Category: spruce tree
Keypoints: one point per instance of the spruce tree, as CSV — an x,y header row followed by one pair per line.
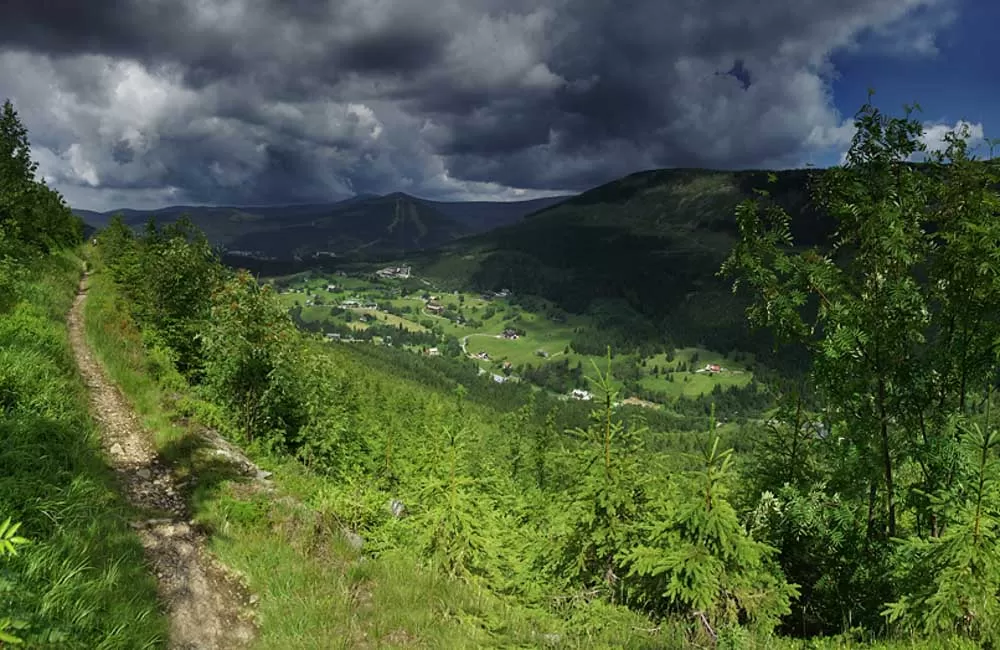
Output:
x,y
951,583
607,501
700,561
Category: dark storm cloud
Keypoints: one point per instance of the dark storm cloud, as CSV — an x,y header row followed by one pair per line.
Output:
x,y
135,29
281,100
122,152
404,51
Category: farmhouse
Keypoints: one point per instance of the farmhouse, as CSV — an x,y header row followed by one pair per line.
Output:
x,y
635,401
394,272
509,334
331,288
433,352
579,393
435,307
370,305
350,304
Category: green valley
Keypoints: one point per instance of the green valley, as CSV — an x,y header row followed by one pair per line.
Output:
x,y
507,337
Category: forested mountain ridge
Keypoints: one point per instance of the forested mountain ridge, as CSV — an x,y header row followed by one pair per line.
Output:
x,y
649,244
362,226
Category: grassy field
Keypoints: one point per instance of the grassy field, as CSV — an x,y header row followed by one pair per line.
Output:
x,y
693,384
545,341
388,319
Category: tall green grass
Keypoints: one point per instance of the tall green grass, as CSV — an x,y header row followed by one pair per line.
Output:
x,y
82,581
145,379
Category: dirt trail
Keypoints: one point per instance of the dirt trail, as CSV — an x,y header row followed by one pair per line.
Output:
x,y
208,605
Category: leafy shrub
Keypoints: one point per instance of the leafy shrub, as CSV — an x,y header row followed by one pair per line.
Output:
x,y
252,360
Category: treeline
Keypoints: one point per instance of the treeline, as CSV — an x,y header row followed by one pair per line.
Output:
x,y
34,219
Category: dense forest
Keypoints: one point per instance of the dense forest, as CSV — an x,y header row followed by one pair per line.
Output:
x,y
866,509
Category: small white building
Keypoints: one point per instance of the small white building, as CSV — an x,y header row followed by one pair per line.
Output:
x,y
581,394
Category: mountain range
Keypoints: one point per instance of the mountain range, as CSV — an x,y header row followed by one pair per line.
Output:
x,y
362,226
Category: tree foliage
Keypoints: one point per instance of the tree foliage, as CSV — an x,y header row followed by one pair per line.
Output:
x,y
901,315
31,213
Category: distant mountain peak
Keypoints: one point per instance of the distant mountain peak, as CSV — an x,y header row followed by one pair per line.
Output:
x,y
399,195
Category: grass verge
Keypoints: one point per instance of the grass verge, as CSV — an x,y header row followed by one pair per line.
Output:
x,y
81,582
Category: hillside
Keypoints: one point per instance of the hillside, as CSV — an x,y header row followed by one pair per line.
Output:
x,y
365,225
649,244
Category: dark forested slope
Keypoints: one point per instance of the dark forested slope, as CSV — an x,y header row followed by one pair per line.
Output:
x,y
651,243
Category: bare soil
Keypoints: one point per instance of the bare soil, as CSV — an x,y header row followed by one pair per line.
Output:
x,y
209,606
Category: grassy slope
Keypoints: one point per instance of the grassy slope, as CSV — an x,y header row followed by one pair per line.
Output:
x,y
315,592
82,582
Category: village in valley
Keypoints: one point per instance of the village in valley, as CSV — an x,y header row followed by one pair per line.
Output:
x,y
494,330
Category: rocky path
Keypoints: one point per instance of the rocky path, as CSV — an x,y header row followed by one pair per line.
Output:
x,y
208,605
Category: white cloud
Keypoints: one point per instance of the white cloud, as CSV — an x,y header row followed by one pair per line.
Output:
x,y
934,137
914,34
934,134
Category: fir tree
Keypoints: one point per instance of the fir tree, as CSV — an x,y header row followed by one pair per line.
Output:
x,y
702,562
608,499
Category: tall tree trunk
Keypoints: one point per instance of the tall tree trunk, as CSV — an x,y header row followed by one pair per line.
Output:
x,y
872,494
886,457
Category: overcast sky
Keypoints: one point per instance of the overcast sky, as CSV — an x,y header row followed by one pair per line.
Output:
x,y
145,103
